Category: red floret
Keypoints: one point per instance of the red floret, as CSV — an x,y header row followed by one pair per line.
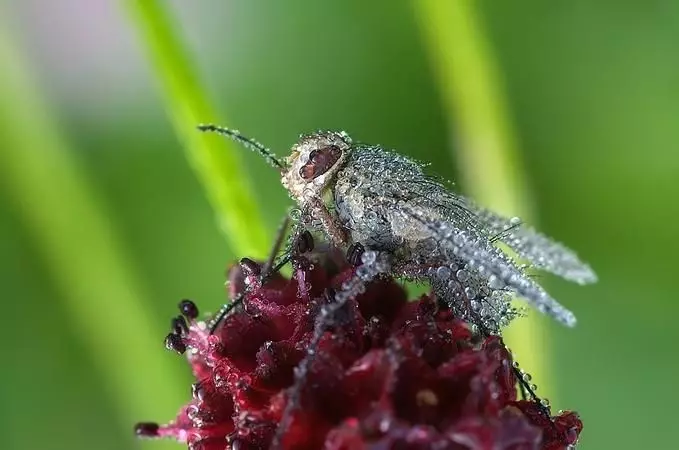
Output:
x,y
389,374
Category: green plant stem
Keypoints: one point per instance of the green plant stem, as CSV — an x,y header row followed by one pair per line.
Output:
x,y
215,161
81,251
470,82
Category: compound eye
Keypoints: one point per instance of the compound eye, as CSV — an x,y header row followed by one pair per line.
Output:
x,y
320,161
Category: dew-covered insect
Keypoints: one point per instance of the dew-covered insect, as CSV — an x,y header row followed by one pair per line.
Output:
x,y
393,219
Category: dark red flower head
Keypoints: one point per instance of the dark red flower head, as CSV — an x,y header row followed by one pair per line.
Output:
x,y
390,374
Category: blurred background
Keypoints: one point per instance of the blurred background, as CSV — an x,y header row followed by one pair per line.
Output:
x,y
105,226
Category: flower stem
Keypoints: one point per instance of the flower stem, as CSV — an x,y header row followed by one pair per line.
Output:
x,y
76,238
470,82
216,163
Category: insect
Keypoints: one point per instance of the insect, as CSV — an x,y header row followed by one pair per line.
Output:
x,y
365,198
393,219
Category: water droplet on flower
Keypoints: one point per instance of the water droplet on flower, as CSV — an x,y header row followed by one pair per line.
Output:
x,y
385,424
197,391
192,412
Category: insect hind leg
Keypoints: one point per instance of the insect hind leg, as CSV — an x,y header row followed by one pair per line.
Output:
x,y
473,306
373,264
526,388
471,299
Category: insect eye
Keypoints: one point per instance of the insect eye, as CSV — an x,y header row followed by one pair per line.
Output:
x,y
320,161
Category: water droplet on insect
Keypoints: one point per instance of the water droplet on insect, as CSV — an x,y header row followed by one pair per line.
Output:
x,y
495,282
443,273
470,291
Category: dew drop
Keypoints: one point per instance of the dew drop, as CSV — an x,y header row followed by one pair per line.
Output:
x,y
495,282
462,275
369,257
471,292
443,273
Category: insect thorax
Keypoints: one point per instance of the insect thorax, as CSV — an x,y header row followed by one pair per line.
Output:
x,y
370,197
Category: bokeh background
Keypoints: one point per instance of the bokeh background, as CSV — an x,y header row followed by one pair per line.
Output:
x,y
100,243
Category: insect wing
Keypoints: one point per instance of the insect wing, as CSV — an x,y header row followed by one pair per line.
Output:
x,y
542,252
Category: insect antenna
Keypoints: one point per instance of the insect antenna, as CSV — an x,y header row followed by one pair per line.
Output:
x,y
247,142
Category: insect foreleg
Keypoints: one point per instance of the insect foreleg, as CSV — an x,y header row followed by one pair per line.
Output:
x,y
270,268
280,235
263,277
332,227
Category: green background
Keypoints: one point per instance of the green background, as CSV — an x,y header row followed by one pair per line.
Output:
x,y
593,94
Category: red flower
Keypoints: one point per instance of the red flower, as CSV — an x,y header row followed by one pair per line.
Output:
x,y
390,374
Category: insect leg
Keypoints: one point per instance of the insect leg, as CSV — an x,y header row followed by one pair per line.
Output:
x,y
372,265
280,234
266,272
238,300
465,304
526,388
300,243
333,229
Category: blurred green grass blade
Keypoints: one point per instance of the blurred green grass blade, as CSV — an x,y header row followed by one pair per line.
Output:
x,y
471,87
215,160
85,258
470,83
